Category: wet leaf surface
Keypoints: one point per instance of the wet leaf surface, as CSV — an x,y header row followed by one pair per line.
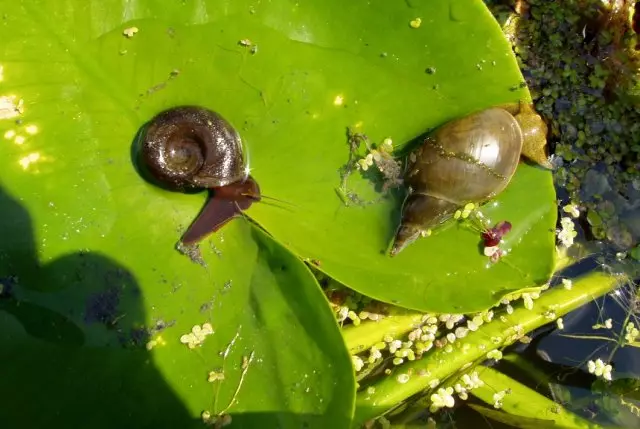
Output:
x,y
91,245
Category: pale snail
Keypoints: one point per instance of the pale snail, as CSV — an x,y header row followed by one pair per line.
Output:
x,y
471,159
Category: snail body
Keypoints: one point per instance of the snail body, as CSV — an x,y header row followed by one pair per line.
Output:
x,y
471,159
190,148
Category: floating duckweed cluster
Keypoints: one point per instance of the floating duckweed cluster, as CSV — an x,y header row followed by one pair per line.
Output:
x,y
384,151
159,341
472,217
350,306
219,421
443,397
600,369
382,157
439,331
416,23
528,299
215,376
631,333
196,337
130,32
567,232
362,155
580,63
608,324
465,212
572,209
344,313
495,355
446,333
498,397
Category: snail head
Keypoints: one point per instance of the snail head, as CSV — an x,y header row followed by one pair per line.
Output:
x,y
244,192
420,213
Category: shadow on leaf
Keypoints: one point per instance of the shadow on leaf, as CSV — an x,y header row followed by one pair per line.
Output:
x,y
72,340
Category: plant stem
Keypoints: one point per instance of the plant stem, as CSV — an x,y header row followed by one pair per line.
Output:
x,y
434,367
364,336
522,401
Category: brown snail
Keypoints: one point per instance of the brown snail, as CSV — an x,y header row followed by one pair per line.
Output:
x,y
471,159
189,148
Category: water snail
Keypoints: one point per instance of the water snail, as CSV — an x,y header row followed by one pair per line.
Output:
x,y
190,148
471,159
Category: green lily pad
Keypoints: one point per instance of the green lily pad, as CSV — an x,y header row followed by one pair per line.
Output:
x,y
376,82
309,72
302,74
107,339
89,274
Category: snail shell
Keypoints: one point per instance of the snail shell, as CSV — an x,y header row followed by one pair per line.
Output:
x,y
471,159
193,147
190,147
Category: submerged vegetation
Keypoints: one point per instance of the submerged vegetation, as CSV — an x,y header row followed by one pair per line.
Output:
x,y
580,60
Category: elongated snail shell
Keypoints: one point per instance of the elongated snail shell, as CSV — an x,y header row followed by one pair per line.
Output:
x,y
471,159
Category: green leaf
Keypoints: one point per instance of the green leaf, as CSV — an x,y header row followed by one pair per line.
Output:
x,y
62,370
524,403
89,89
440,364
393,97
94,224
514,421
627,387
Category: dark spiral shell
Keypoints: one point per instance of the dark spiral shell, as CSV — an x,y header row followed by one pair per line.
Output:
x,y
192,147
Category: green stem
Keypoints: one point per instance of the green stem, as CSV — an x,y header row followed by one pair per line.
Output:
x,y
523,402
620,339
429,371
364,336
525,366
